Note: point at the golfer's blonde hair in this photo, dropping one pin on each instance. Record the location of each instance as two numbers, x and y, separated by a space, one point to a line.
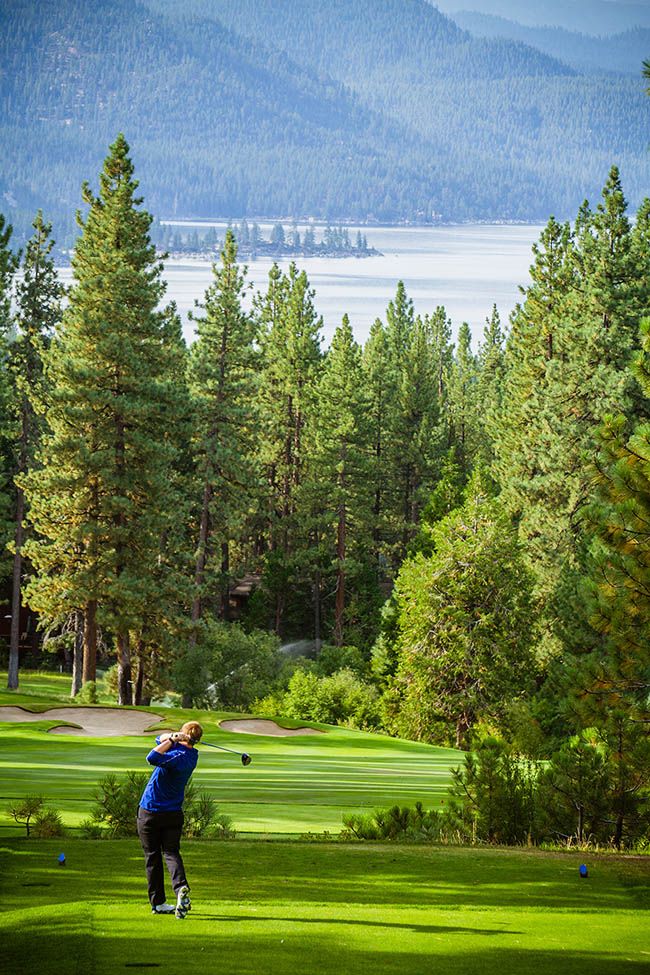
193 729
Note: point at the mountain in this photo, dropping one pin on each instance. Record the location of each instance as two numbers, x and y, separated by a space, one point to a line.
360 109
522 132
595 17
621 53
216 123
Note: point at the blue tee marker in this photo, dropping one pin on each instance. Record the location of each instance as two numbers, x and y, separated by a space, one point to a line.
583 870
61 859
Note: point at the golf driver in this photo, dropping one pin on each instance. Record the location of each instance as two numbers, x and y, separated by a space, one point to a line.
245 759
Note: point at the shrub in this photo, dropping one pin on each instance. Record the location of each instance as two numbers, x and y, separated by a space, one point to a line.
331 659
203 819
87 694
39 820
228 667
116 809
110 682
116 804
575 787
340 698
494 796
396 823
48 824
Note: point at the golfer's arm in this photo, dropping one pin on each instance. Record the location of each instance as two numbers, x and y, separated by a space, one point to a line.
163 747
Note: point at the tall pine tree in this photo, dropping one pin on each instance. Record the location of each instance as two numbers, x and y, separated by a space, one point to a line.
101 498
291 363
222 383
337 481
38 311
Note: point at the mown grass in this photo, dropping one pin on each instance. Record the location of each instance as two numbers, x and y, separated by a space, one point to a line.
286 908
294 785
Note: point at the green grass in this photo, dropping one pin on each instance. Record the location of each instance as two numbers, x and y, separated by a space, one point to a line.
286 908
294 785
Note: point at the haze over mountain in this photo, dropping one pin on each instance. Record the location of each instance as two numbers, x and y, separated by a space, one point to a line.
356 109
623 53
595 17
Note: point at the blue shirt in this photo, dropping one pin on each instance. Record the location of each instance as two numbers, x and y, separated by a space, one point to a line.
166 788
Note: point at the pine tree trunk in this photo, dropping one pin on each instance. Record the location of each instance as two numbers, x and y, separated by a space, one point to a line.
279 610
317 607
14 640
123 668
339 609
14 644
138 684
376 510
225 581
581 823
202 553
77 654
462 727
90 642
145 698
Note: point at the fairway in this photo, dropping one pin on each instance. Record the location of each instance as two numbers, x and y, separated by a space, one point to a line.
294 785
286 908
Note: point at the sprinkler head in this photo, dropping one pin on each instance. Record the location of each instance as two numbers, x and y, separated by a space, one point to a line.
246 759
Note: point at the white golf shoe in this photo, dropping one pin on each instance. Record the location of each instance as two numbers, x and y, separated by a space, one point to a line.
163 909
183 903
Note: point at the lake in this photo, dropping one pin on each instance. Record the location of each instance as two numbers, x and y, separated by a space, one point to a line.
466 268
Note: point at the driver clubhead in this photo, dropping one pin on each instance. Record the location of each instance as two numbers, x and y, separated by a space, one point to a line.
246 759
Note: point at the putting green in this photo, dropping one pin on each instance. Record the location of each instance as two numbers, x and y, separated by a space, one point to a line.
286 908
294 785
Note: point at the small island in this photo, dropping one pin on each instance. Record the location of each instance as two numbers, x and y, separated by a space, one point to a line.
178 241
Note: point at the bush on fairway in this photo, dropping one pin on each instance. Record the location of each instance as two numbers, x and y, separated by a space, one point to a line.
397 823
39 820
115 811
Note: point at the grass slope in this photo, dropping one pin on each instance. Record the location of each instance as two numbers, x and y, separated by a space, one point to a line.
294 785
285 908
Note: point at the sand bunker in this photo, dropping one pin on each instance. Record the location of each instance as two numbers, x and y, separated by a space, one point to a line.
95 722
261 726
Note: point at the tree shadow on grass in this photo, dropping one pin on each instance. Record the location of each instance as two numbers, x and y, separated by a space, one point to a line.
353 922
176 949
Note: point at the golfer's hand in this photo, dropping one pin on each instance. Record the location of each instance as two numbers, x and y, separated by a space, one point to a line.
178 736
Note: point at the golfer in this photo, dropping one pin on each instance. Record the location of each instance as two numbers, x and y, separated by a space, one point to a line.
160 816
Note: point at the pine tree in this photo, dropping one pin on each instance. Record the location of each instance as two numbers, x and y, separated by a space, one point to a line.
619 590
416 436
222 369
567 360
489 390
38 300
378 381
462 401
291 357
8 265
412 409
101 499
442 349
163 624
400 322
338 465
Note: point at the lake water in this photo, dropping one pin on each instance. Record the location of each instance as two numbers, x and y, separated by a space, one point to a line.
465 268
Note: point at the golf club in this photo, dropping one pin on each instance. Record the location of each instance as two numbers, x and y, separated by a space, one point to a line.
245 759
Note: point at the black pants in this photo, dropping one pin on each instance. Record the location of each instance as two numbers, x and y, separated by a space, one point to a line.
160 835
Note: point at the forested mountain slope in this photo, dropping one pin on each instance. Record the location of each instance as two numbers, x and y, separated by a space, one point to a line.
217 124
623 53
521 130
355 109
